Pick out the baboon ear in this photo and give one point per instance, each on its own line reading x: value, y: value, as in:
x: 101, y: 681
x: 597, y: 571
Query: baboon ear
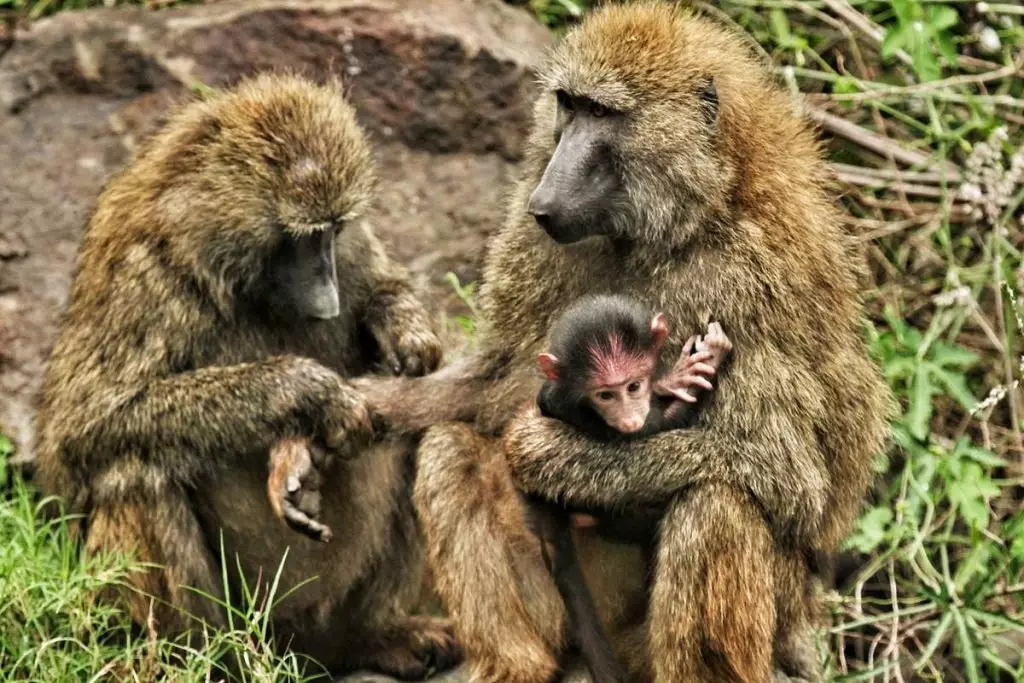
x: 659, y: 329
x: 709, y: 101
x: 548, y: 365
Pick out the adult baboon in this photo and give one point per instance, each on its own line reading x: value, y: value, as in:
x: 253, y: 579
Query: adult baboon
x: 224, y: 288
x: 663, y: 164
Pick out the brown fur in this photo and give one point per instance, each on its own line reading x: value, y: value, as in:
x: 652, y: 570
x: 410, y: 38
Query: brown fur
x: 731, y: 223
x: 169, y: 381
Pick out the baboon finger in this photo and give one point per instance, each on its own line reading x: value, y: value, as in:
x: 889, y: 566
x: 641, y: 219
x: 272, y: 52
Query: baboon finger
x: 308, y: 501
x: 701, y: 369
x: 688, y: 346
x: 699, y: 357
x: 299, y: 521
x: 412, y: 365
x: 697, y: 381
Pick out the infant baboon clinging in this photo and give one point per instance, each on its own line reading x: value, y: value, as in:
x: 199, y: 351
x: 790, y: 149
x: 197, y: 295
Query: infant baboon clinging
x: 224, y: 289
x: 664, y: 163
x: 599, y: 371
x: 599, y: 378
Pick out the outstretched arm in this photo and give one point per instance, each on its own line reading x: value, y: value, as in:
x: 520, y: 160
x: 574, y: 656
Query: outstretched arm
x: 453, y: 394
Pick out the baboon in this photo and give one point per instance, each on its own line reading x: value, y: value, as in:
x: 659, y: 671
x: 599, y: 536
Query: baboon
x: 599, y: 378
x: 224, y: 288
x: 599, y: 371
x: 664, y: 163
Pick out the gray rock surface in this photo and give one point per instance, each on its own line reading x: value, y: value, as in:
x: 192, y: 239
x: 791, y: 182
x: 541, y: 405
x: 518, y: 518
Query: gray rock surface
x: 443, y: 86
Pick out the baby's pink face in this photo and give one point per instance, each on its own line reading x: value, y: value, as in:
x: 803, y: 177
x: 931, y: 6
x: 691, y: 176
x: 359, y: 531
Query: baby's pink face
x: 620, y: 388
x: 623, y: 407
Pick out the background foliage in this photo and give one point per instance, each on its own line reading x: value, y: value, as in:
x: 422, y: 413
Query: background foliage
x: 923, y: 103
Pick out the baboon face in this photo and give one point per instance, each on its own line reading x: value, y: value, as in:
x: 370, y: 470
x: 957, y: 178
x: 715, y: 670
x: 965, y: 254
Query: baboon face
x: 267, y: 187
x: 634, y: 113
x: 577, y: 195
x: 304, y: 276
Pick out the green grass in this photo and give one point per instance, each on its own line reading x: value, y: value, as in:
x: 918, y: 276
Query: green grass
x: 905, y: 88
x: 53, y: 631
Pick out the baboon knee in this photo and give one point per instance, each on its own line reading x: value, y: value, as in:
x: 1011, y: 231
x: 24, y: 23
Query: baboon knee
x: 486, y: 564
x: 713, y: 606
x: 163, y: 595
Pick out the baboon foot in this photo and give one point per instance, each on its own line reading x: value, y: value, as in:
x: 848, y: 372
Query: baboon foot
x: 415, y: 648
x: 293, y: 486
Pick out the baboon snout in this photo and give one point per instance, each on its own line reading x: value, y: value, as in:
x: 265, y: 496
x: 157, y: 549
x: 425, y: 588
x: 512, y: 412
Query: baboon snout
x: 540, y: 207
x: 323, y: 302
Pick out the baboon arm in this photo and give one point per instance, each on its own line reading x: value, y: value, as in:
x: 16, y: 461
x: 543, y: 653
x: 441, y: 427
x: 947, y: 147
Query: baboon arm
x: 198, y: 420
x: 390, y: 310
x: 553, y: 460
x: 452, y: 394
x: 556, y: 461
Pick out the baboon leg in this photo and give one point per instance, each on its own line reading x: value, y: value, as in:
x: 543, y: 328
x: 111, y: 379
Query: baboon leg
x: 712, y: 616
x: 406, y: 647
x: 380, y: 634
x: 487, y: 566
x: 795, y: 654
x: 167, y: 535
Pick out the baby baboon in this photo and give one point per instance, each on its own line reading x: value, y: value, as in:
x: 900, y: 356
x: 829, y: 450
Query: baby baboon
x: 599, y: 378
x: 225, y: 287
x: 666, y: 164
x: 599, y: 371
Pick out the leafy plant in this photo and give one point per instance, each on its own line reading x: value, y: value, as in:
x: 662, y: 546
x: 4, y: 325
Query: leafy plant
x: 922, y: 31
x: 465, y: 323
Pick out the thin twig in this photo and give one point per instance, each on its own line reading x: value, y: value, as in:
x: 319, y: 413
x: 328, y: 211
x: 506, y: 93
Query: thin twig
x: 878, y: 143
x: 865, y: 26
x: 908, y: 188
x: 931, y: 86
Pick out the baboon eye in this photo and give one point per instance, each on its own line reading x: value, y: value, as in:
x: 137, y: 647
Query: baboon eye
x: 564, y: 101
x: 634, y: 387
x: 598, y: 110
x: 606, y: 395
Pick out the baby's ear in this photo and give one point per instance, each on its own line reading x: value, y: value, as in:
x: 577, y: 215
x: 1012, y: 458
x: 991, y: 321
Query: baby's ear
x: 548, y: 365
x: 659, y: 330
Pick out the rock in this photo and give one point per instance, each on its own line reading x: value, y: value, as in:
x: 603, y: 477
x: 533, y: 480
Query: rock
x: 444, y: 88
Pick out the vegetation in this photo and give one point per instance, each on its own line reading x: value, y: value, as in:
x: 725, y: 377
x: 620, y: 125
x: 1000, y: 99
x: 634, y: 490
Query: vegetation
x: 924, y: 104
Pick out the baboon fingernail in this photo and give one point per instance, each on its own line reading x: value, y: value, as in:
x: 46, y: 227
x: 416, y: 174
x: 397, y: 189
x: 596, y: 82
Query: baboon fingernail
x: 293, y: 483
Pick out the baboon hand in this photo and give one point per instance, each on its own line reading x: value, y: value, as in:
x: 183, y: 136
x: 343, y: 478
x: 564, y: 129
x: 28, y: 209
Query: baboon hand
x: 698, y: 362
x: 416, y: 648
x: 531, y: 438
x: 346, y: 422
x: 293, y: 485
x: 716, y: 343
x: 411, y: 349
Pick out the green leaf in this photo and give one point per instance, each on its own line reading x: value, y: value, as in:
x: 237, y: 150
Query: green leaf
x: 971, y: 493
x: 845, y: 84
x: 919, y: 413
x: 6, y: 446
x: 966, y: 646
x: 925, y: 63
x: 974, y: 564
x: 947, y: 47
x: 780, y: 25
x: 895, y: 39
x: 938, y: 637
x: 996, y: 619
x: 956, y: 386
x: 955, y: 355
x: 904, y: 10
x: 965, y: 449
x: 942, y: 17
x: 871, y: 529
